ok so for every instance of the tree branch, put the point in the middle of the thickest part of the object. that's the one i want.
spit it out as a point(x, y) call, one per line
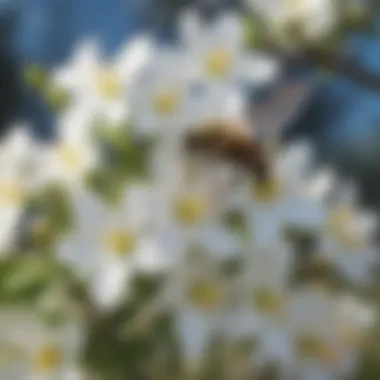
point(348, 67)
point(317, 55)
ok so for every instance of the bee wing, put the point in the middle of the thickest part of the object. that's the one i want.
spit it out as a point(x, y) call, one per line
point(273, 114)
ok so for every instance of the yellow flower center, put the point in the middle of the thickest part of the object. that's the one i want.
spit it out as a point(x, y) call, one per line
point(10, 194)
point(205, 295)
point(339, 225)
point(310, 345)
point(267, 301)
point(69, 156)
point(167, 102)
point(267, 191)
point(47, 358)
point(120, 243)
point(189, 210)
point(218, 63)
point(108, 85)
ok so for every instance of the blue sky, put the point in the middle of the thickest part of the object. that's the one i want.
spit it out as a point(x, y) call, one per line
point(347, 117)
point(48, 28)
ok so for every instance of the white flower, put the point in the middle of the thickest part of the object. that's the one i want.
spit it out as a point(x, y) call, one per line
point(217, 54)
point(23, 155)
point(324, 331)
point(160, 95)
point(37, 350)
point(22, 171)
point(191, 200)
point(280, 202)
point(196, 292)
point(354, 319)
point(347, 235)
point(211, 105)
point(354, 322)
point(78, 75)
point(109, 243)
point(75, 152)
point(261, 299)
point(316, 17)
point(104, 86)
point(315, 344)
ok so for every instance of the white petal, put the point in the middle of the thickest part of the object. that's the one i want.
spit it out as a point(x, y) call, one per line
point(258, 70)
point(9, 220)
point(190, 26)
point(276, 345)
point(220, 242)
point(319, 186)
point(227, 28)
point(152, 256)
point(110, 283)
point(116, 112)
point(194, 332)
point(266, 224)
point(133, 57)
point(295, 161)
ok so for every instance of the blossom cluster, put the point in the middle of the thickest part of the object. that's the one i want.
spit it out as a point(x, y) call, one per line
point(251, 272)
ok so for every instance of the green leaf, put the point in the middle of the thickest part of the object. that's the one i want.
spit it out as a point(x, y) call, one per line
point(110, 355)
point(108, 183)
point(369, 363)
point(35, 77)
point(24, 279)
point(231, 268)
point(128, 153)
point(146, 288)
point(55, 202)
point(251, 33)
point(57, 98)
point(236, 222)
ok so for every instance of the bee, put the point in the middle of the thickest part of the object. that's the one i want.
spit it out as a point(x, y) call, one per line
point(272, 114)
point(227, 142)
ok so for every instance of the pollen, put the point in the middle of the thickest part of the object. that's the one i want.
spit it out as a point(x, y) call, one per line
point(205, 295)
point(312, 346)
point(108, 85)
point(267, 191)
point(69, 156)
point(218, 63)
point(189, 210)
point(120, 243)
point(47, 359)
point(267, 301)
point(10, 194)
point(167, 102)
